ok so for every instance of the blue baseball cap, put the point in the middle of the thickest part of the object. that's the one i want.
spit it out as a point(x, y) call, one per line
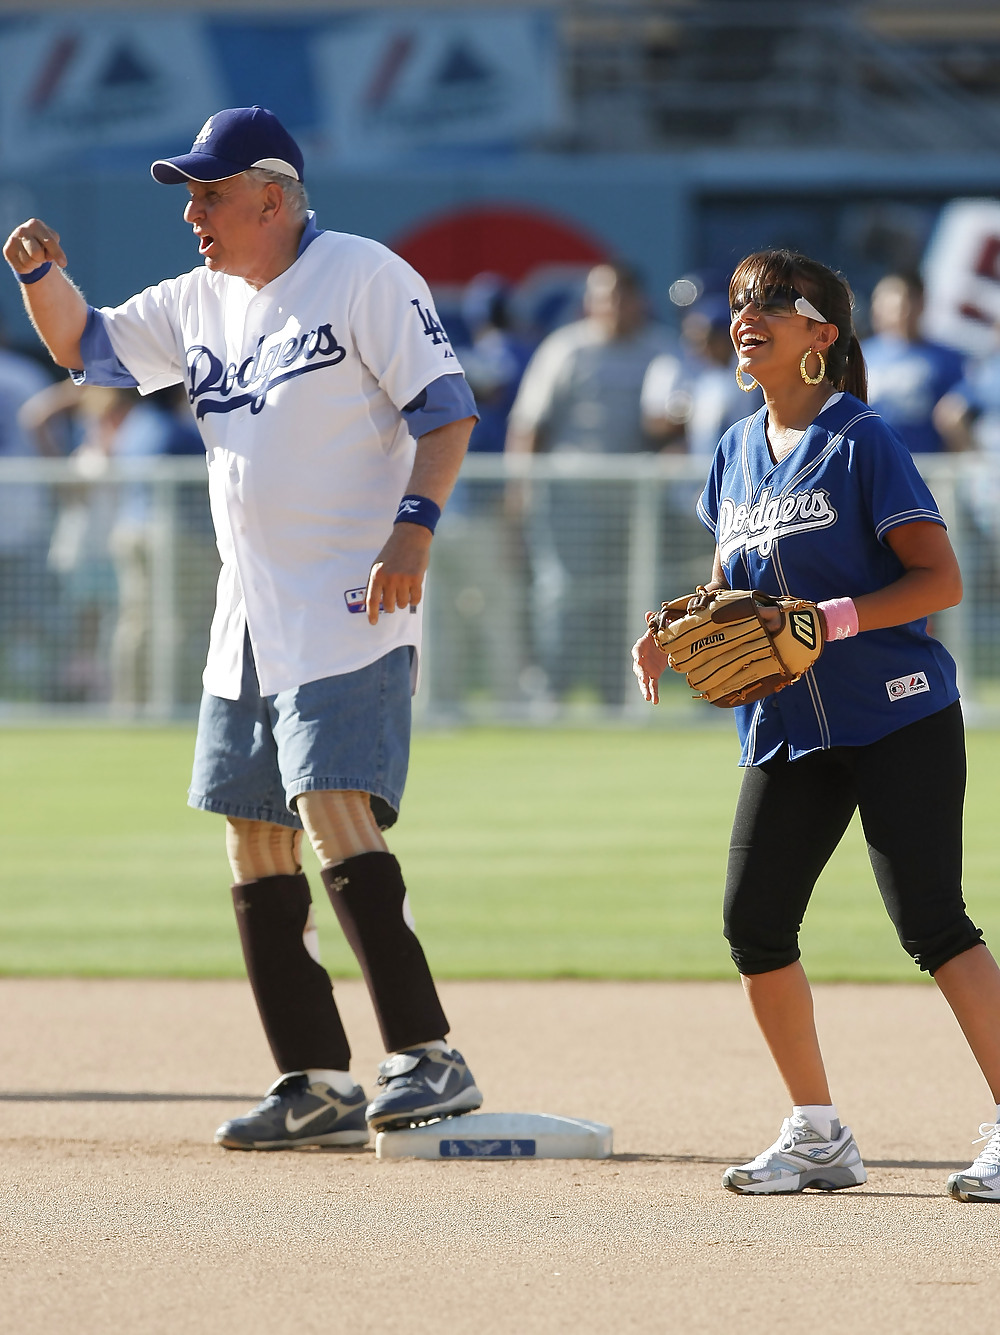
point(231, 142)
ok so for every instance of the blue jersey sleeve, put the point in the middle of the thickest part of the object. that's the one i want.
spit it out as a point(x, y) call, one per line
point(446, 399)
point(101, 365)
point(896, 491)
point(707, 508)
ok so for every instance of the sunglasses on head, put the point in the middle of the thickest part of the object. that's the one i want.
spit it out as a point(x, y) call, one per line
point(776, 301)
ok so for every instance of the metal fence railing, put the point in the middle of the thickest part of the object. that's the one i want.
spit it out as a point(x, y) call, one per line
point(542, 570)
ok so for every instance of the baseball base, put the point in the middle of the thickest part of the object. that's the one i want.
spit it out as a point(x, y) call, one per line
point(498, 1136)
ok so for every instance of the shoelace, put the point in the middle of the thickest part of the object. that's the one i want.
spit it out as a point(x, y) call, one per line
point(989, 1131)
point(793, 1130)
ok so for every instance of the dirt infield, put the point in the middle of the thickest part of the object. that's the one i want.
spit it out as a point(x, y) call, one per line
point(120, 1215)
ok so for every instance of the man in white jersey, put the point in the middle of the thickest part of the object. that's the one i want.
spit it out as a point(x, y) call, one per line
point(335, 417)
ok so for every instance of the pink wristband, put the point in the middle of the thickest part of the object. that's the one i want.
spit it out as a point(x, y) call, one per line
point(840, 618)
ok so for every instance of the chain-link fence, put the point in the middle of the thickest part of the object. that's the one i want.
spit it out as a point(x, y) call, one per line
point(107, 584)
point(541, 573)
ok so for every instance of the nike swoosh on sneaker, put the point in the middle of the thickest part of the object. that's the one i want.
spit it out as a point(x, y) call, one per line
point(438, 1085)
point(293, 1123)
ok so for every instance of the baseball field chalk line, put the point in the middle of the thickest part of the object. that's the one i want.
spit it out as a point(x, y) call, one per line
point(498, 1136)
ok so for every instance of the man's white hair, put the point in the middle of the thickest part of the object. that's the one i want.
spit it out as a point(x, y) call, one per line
point(294, 191)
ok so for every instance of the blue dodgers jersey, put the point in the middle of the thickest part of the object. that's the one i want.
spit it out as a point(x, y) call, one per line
point(814, 526)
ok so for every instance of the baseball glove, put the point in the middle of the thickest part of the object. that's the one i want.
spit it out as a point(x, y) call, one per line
point(729, 656)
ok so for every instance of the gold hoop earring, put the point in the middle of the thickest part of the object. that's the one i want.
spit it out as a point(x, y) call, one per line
point(807, 378)
point(747, 389)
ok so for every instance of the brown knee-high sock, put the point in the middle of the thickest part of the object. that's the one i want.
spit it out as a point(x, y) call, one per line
point(293, 992)
point(367, 893)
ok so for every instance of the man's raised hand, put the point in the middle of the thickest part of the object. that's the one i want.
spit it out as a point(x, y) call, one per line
point(31, 244)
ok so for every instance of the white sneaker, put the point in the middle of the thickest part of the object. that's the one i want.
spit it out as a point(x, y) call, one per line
point(801, 1158)
point(981, 1182)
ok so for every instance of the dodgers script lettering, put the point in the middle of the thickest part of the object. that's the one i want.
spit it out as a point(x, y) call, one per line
point(758, 527)
point(212, 383)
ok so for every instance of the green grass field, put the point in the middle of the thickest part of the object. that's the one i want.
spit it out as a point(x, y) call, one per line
point(528, 854)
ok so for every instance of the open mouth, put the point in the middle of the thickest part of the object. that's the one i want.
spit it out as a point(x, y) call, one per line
point(204, 244)
point(750, 340)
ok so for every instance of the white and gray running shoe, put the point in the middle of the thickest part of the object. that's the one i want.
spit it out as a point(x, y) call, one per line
point(981, 1182)
point(801, 1157)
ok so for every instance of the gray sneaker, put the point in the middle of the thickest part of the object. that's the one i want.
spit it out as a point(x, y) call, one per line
point(800, 1158)
point(422, 1085)
point(981, 1182)
point(294, 1114)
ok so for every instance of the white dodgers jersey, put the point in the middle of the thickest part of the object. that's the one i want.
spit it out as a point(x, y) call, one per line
point(297, 390)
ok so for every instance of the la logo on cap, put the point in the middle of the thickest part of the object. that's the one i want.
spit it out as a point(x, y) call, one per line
point(203, 133)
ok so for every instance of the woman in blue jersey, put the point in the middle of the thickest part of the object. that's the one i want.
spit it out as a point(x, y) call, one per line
point(814, 496)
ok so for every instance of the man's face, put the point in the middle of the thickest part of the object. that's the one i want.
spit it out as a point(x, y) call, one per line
point(616, 307)
point(895, 308)
point(226, 218)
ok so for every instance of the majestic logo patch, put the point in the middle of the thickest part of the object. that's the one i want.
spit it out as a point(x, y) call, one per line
point(356, 601)
point(900, 687)
point(758, 527)
point(803, 627)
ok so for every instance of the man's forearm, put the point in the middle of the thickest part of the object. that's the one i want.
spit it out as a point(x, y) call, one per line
point(397, 575)
point(59, 313)
point(438, 459)
point(55, 306)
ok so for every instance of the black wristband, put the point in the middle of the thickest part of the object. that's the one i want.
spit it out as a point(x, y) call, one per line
point(418, 510)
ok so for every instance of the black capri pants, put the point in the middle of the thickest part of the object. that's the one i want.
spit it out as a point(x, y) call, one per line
point(909, 788)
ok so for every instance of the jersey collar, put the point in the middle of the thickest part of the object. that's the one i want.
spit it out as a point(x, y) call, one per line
point(309, 235)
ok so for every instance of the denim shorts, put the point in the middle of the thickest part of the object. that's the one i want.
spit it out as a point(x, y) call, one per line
point(255, 755)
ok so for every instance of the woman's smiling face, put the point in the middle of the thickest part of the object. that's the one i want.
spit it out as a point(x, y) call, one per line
point(770, 334)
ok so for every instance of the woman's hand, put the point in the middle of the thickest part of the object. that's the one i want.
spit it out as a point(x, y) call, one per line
point(648, 663)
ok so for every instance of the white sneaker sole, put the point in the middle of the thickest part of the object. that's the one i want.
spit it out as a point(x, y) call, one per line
point(466, 1100)
point(331, 1139)
point(815, 1179)
point(962, 1187)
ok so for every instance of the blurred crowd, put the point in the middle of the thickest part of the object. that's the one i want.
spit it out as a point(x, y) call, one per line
point(615, 381)
point(76, 562)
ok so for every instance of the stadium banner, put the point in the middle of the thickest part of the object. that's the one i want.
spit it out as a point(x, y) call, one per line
point(77, 84)
point(401, 82)
point(962, 277)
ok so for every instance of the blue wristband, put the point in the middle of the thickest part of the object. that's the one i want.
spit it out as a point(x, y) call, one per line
point(418, 510)
point(35, 274)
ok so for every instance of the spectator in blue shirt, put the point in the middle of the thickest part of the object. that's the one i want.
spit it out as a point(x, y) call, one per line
point(907, 374)
point(494, 361)
point(968, 417)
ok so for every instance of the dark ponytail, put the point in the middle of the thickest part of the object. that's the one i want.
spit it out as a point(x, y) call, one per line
point(855, 371)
